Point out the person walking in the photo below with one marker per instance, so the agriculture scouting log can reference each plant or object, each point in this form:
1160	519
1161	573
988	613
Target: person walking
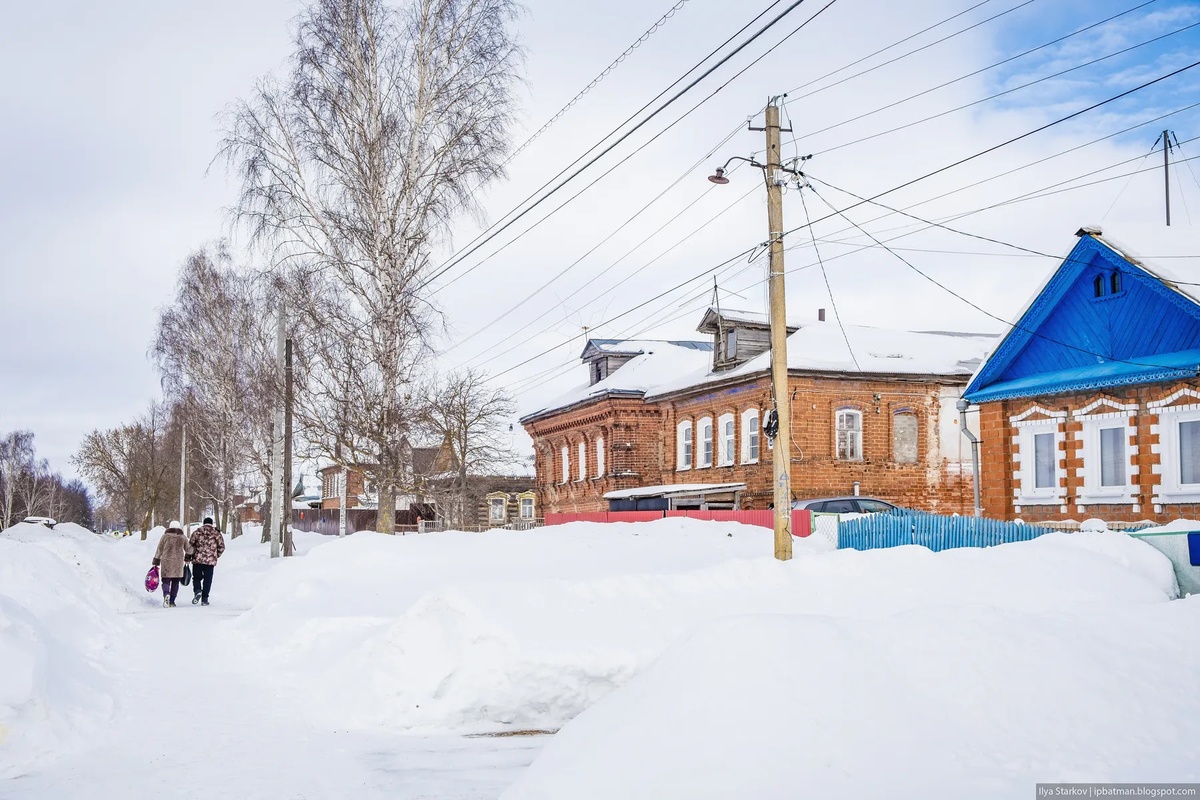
207	546
173	551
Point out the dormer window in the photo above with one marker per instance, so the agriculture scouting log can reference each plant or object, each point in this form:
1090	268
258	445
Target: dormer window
1098	286
1114	282
731	344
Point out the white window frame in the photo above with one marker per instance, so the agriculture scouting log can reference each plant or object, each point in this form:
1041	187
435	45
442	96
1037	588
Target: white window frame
1096	417
837	434
1170	490
526	502
705	443
566	464
728	449
502	504
751	434
581	474
684	446
1027	494
599	456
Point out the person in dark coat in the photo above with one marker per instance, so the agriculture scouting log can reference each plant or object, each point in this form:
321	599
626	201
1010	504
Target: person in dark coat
207	546
172	553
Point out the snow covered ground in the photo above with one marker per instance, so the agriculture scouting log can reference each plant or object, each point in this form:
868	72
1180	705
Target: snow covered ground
677	657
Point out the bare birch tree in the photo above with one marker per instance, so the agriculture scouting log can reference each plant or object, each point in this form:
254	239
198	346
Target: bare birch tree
211	348
468	417
16	456
352	169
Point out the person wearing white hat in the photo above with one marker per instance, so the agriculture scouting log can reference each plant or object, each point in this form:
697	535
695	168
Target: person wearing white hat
172	553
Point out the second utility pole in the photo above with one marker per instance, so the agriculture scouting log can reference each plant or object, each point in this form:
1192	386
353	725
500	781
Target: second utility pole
781	458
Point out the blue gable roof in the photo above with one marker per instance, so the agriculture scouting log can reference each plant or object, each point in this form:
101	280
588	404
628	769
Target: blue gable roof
1100	321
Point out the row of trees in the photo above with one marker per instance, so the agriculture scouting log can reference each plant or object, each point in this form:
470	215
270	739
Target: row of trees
29	488
352	168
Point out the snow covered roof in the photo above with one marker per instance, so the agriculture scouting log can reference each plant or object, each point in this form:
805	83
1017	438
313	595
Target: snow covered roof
633	347
674	490
872	351
658	362
736	316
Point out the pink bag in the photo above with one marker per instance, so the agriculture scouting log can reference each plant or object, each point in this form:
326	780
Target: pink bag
152	579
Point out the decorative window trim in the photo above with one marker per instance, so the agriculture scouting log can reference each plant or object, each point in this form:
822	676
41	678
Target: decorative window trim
837	430
566	464
683	464
751	428
1167	401
600	457
1170	490
524	501
581	471
727	452
703	460
910	413
1023	467
1091	492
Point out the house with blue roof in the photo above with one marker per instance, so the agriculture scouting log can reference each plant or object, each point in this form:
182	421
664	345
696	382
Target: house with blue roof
1090	405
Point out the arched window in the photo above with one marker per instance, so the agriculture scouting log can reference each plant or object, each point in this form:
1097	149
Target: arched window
1114	282
706	442
582	473
1098	286
683	445
750	433
600	457
566	464
904	437
849	434
728	449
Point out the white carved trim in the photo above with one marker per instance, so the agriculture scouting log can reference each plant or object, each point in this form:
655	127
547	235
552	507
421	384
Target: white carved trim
1104	401
1024	415
1166	401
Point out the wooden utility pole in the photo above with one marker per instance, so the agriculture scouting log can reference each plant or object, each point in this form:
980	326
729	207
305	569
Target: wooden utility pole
279	490
781	459
183	474
343	512
288	547
1166	140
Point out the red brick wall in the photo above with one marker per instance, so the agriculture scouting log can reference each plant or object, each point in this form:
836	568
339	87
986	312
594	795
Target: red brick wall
998	449
648	431
355	486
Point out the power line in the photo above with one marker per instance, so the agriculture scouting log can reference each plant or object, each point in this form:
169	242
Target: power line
989	98
1015	139
980	309
828	288
476	244
636	151
603	74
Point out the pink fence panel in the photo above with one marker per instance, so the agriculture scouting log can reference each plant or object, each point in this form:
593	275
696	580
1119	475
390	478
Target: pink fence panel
634	516
577	516
802	522
763	519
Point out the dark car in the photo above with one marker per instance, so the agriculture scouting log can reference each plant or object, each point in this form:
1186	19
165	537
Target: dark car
846	505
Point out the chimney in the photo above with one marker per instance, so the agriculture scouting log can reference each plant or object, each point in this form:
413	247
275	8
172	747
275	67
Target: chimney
820	315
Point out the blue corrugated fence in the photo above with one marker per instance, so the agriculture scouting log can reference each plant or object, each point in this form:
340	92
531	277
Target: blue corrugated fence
936	532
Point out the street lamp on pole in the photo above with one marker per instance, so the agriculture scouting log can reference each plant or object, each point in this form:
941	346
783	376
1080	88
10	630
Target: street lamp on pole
776	176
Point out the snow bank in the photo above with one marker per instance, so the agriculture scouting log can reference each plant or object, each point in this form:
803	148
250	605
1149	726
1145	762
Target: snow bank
934	703
59	603
465	632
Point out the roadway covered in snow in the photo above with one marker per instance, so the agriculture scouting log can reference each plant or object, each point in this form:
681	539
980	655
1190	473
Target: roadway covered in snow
677	658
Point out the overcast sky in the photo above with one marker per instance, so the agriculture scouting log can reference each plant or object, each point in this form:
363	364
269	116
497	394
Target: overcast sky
112	120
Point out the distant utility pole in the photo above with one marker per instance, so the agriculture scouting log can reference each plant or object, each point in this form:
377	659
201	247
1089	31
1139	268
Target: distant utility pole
1166	140
343	512
279	489
288	547
781	459
183	475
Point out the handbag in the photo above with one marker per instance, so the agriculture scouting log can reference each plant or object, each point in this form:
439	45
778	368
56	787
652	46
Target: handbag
187	574
152	579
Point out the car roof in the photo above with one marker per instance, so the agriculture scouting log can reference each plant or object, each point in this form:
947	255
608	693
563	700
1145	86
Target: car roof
842	497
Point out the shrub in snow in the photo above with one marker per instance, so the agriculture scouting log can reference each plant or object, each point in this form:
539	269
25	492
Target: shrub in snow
1093	524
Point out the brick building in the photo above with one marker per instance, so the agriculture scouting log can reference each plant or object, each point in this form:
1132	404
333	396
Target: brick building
872	409
1090	406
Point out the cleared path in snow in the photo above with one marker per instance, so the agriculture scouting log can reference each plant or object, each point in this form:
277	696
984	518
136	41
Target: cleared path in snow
188	724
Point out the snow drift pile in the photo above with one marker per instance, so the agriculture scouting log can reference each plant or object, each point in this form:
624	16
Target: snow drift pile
59	603
511	630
